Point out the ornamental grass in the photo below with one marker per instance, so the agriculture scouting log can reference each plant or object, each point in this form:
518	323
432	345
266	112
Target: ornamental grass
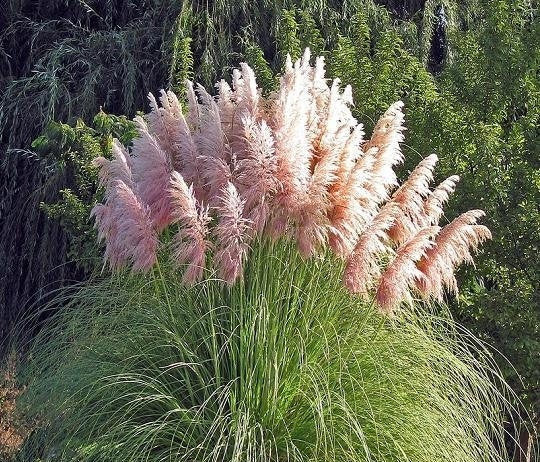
275	294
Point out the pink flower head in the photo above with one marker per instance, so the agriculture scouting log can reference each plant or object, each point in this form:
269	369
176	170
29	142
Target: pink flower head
363	267
152	168
410	198
125	225
432	210
353	207
387	136
191	243
231	235
256	176
119	168
402	273
452	247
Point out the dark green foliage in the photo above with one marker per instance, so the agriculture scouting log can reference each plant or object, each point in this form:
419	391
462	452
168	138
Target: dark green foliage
64	60
481	117
47	238
72	150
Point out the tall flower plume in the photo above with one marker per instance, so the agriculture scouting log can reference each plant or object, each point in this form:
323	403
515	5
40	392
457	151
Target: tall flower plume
402	273
410	198
191	240
452	248
152	168
363	265
232	235
433	205
124	223
294	165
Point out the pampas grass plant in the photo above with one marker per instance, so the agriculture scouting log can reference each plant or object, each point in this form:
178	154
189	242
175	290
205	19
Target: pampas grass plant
285	327
283	366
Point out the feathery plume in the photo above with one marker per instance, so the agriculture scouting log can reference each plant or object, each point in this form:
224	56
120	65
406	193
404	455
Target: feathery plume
119	168
363	266
410	199
289	119
124	223
402	273
191	243
353	207
213	150
452	247
164	124
231	235
152	168
292	164
256	176
313	223
193	115
387	136
433	205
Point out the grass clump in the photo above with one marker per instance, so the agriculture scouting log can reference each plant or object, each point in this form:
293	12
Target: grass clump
284	366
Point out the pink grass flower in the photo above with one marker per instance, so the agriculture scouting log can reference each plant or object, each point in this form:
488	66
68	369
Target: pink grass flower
363	266
353	207
124	223
232	236
453	247
387	136
119	168
433	205
410	198
152	168
402	274
190	242
256	178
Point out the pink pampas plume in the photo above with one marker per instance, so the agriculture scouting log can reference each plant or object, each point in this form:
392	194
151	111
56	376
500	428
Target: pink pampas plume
247	98
163	123
193	115
168	124
387	136
363	266
213	148
402	273
235	104
152	168
226	106
256	176
452	247
320	97
191	243
432	210
290	112
124	223
119	168
410	199
333	122
353	207
313	223
350	154
232	234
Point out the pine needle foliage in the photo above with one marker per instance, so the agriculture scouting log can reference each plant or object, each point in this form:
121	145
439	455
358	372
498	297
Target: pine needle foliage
283	366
